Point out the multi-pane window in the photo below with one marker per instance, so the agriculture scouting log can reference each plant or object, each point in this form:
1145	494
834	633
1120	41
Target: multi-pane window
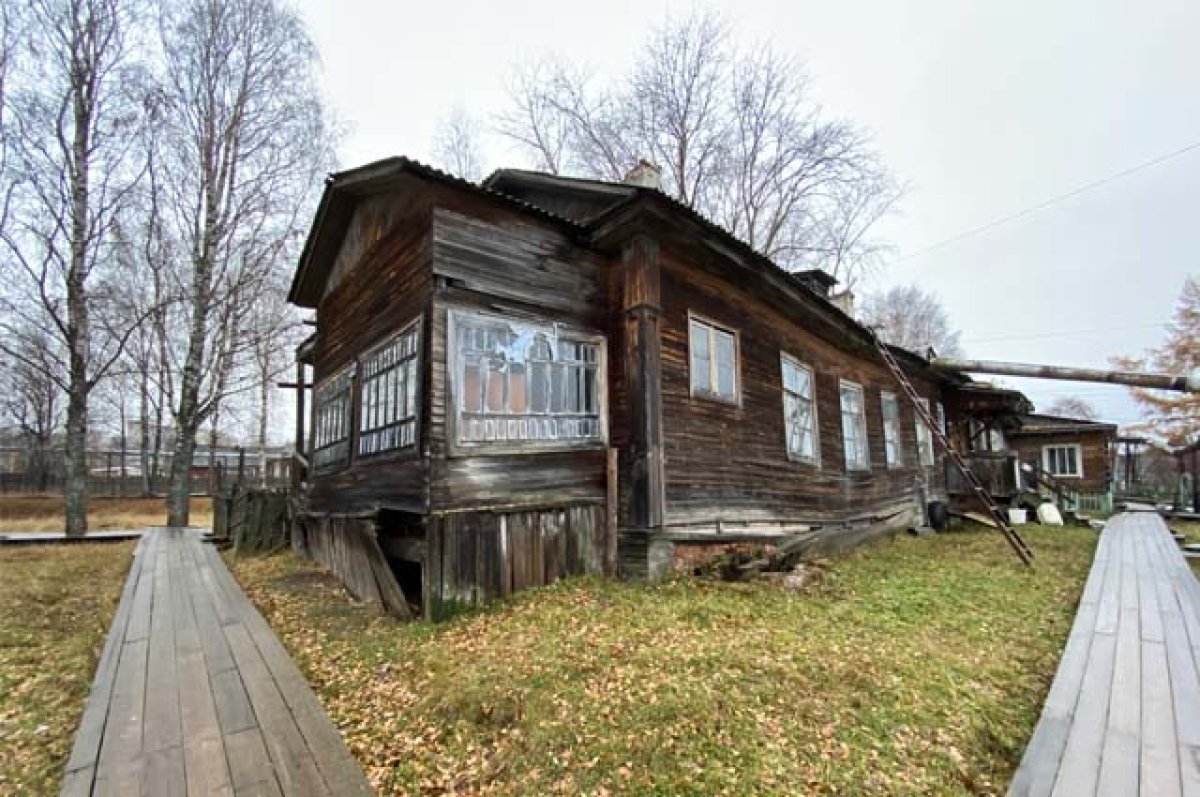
390	387
799	410
1063	460
892	449
854	427
331	418
713	360
924	437
521	382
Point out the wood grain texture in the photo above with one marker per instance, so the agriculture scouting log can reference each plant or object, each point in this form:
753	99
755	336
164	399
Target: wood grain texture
724	460
1123	713
193	701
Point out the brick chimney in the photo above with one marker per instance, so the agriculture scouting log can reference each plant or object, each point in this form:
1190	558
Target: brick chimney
645	174
844	301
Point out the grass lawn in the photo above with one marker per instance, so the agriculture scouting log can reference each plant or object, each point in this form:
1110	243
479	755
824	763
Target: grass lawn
27	513
914	667
56	602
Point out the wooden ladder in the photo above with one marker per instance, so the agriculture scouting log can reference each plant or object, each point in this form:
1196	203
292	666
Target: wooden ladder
997	517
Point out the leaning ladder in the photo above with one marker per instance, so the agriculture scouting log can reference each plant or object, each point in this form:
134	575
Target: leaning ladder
993	511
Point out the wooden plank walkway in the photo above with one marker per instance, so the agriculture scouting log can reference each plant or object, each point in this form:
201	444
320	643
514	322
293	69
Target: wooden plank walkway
195	695
1123	714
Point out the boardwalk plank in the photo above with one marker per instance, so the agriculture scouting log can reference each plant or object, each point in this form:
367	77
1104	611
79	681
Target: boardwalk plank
195	695
1080	767
86	749
250	766
339	769
162	723
1160	752
1123	714
294	766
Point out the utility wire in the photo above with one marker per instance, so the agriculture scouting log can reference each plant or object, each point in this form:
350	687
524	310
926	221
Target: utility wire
991	225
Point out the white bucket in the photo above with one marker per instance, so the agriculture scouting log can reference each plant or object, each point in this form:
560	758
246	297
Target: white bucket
1018	517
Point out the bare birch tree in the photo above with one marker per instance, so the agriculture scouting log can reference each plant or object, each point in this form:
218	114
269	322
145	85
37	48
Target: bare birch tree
75	108
247	139
456	145
32	401
737	135
910	317
1072	407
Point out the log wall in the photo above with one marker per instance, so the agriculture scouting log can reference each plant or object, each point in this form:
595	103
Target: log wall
729	461
385	281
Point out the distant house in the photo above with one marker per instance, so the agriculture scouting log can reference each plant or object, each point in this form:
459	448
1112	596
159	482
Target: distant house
1077	454
541	376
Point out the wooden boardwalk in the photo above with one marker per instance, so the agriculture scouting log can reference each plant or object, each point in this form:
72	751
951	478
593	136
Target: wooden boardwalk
1123	714
194	694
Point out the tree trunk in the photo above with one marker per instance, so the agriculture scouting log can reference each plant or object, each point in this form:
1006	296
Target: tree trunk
212	450
75	488
180	490
144	434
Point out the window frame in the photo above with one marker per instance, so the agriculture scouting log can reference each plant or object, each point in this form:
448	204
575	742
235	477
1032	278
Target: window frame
884	397
786	359
713	372
1077	447
924	435
865	465
455	447
349	372
397	452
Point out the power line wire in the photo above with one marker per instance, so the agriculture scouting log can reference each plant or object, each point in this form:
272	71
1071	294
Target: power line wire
1029	211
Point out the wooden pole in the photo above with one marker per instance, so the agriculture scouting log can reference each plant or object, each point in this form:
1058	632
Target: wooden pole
297	475
613	507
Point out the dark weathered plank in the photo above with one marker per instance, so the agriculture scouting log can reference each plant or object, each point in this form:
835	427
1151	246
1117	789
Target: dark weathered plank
162	726
249	765
191	703
290	757
337	766
86	748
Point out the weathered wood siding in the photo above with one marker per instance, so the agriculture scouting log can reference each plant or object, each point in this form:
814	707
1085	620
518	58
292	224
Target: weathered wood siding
473	557
348	547
386	281
536	271
1094	445
729	462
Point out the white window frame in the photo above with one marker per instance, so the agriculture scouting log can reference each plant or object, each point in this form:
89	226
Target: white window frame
385	427
712	328
893	440
332	431
1078	449
926	455
863	463
502	442
786	360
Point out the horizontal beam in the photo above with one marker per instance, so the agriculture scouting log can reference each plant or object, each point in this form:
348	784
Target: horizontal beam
1185	384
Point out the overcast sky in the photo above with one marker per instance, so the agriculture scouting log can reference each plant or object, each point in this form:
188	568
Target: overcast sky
982	110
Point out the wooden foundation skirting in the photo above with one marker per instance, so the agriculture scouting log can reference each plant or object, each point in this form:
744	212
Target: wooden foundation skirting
348	547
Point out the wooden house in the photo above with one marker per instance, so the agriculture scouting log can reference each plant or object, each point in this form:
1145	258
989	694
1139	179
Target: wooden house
1078	455
541	376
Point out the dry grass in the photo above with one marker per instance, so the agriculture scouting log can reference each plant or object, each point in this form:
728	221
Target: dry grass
916	667
33	513
56	602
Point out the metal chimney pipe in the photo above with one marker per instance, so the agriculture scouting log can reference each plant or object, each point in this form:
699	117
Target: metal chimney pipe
1185	384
